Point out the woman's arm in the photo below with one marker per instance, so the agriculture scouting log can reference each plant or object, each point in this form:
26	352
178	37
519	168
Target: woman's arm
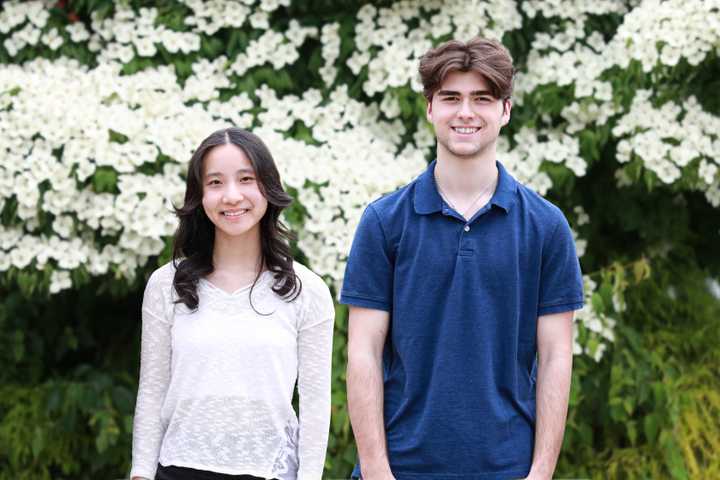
155	360
314	369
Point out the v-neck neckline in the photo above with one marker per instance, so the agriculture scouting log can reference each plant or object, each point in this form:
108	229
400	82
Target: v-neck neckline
237	290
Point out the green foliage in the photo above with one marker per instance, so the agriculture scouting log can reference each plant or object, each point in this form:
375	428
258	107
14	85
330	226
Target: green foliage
67	391
105	180
651	408
341	449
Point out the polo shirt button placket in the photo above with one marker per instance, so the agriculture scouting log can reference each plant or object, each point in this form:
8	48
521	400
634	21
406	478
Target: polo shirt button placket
465	247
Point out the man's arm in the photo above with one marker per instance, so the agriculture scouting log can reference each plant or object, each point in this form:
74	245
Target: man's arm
367	331
554	344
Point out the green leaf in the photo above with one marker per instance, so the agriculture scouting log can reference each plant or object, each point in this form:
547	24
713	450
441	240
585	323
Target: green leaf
651	426
105	180
597	302
673	457
38	442
589	145
27	283
650	180
632	432
18	345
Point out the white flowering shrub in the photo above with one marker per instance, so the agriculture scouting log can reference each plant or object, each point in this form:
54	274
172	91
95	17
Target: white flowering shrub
96	138
102	104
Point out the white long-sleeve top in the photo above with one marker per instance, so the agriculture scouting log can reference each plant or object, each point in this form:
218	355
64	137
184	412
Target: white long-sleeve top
216	385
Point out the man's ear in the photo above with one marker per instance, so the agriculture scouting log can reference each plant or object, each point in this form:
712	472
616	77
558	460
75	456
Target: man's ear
507	107
428	112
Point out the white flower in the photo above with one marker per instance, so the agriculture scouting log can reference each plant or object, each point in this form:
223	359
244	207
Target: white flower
582	217
38	16
60	280
20	256
390	105
707	171
259	20
63	225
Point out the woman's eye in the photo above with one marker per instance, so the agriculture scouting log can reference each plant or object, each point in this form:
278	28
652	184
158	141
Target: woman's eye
246	179
214	182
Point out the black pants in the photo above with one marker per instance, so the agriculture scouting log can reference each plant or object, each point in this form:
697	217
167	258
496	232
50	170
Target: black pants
172	472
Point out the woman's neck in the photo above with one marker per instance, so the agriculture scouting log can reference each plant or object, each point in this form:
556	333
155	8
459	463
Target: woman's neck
240	255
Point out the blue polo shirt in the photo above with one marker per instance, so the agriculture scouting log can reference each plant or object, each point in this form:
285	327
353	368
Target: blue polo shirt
464	298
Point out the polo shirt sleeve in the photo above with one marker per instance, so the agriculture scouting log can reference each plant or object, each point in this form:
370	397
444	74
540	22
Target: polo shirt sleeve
561	284
369	271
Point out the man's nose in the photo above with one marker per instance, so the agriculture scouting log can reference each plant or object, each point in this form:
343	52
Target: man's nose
465	108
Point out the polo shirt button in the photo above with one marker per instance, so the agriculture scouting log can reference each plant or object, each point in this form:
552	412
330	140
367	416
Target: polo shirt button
467	228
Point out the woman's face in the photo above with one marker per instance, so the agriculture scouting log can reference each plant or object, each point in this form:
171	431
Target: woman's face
232	199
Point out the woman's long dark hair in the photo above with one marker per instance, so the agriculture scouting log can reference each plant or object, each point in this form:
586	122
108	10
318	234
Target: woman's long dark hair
195	236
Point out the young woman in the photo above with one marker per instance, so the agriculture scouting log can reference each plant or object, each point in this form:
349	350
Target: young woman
229	326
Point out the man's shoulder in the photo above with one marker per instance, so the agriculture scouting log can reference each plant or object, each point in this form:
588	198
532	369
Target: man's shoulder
539	208
391	203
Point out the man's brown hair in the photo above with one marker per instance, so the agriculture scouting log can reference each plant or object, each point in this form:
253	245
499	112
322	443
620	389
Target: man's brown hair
487	57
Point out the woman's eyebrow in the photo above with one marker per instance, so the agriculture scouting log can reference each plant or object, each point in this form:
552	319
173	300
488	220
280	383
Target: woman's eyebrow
239	171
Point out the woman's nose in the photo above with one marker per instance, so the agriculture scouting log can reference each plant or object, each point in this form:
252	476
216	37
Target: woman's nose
232	194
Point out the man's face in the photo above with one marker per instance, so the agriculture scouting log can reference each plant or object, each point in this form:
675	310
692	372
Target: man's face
466	116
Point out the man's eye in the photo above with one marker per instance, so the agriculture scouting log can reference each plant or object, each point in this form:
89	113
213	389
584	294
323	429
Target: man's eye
484	99
450	99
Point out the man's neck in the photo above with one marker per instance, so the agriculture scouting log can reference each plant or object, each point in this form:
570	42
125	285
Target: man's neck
463	177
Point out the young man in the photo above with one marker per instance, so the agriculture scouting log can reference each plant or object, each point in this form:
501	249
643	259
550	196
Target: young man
462	287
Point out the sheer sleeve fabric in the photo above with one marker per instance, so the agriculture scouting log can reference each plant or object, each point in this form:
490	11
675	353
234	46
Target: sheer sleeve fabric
315	336
155	362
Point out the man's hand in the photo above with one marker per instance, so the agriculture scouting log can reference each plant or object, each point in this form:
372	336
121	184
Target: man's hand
388	476
381	473
532	476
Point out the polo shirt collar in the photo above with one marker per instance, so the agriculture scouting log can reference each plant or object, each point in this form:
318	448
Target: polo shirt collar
506	190
428	199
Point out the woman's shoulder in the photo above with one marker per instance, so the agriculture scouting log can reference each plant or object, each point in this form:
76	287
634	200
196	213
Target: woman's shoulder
313	285
162	277
315	297
158	291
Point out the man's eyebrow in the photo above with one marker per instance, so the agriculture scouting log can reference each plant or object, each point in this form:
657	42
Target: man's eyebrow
476	93
448	93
